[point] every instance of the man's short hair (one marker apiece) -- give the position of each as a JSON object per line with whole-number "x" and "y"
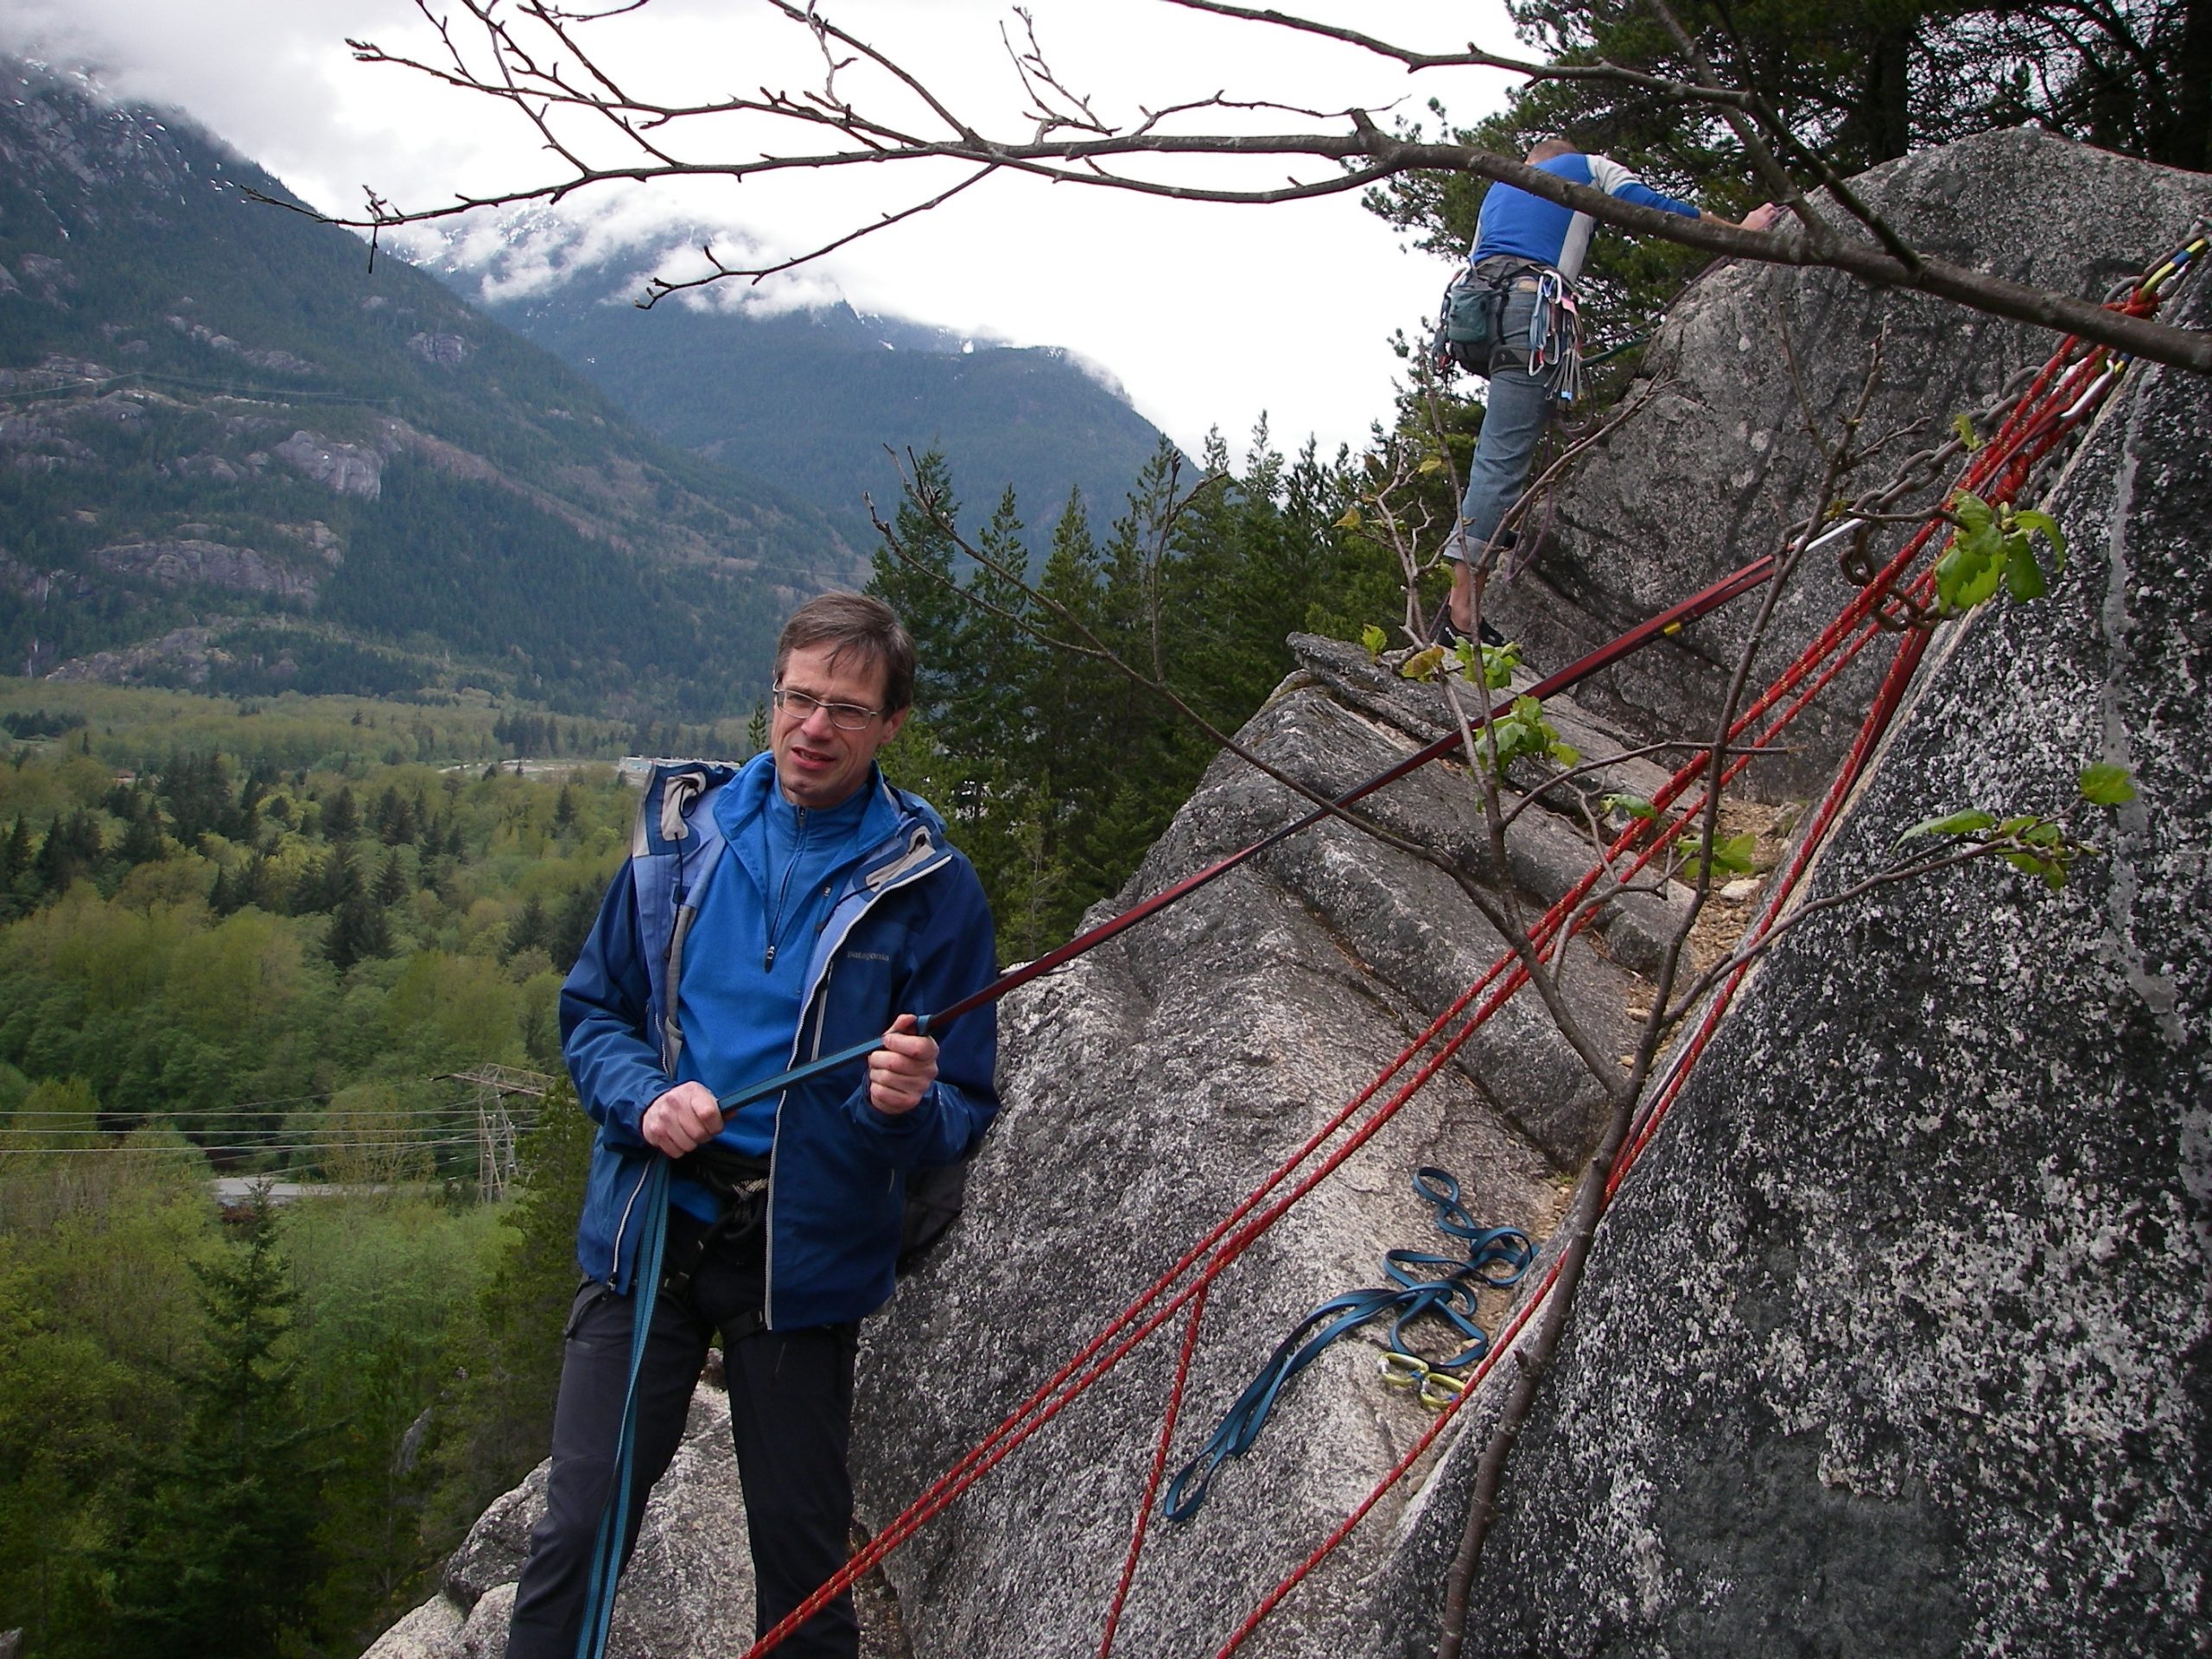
{"x": 853, "y": 624}
{"x": 1544, "y": 149}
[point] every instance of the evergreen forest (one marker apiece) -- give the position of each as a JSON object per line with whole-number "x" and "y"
{"x": 258, "y": 940}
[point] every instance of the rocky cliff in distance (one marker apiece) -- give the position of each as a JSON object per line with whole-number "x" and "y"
{"x": 821, "y": 401}
{"x": 234, "y": 454}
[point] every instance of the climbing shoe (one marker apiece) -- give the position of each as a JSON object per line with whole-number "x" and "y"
{"x": 1447, "y": 635}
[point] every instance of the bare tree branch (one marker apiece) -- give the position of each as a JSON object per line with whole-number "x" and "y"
{"x": 1071, "y": 143}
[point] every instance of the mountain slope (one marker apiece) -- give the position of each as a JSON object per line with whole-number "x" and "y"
{"x": 820, "y": 400}
{"x": 233, "y": 454}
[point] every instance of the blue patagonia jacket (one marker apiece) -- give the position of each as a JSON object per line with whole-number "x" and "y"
{"x": 909, "y": 932}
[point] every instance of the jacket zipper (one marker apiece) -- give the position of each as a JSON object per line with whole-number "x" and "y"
{"x": 614, "y": 1265}
{"x": 783, "y": 897}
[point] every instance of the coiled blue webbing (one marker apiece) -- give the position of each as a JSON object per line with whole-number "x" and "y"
{"x": 1444, "y": 1286}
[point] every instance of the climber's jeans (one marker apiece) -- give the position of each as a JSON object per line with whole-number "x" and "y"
{"x": 1514, "y": 415}
{"x": 790, "y": 1399}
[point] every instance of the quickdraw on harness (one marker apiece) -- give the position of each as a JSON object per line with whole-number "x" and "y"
{"x": 607, "y": 1553}
{"x": 1555, "y": 336}
{"x": 1423, "y": 1283}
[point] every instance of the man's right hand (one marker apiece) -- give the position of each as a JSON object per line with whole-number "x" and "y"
{"x": 688, "y": 1115}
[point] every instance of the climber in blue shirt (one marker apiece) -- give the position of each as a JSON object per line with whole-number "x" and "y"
{"x": 1534, "y": 249}
{"x": 796, "y": 907}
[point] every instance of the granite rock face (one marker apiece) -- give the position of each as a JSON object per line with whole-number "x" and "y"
{"x": 690, "y": 1586}
{"x": 1717, "y": 465}
{"x": 343, "y": 469}
{"x": 1899, "y": 1341}
{"x": 193, "y": 562}
{"x": 1149, "y": 1086}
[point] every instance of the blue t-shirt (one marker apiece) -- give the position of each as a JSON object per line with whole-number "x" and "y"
{"x": 744, "y": 977}
{"x": 1516, "y": 224}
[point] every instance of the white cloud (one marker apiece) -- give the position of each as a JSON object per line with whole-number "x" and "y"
{"x": 1208, "y": 316}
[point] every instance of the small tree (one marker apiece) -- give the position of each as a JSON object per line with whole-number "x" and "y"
{"x": 214, "y": 1557}
{"x": 494, "y": 1421}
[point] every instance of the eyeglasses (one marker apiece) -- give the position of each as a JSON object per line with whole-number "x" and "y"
{"x": 845, "y": 716}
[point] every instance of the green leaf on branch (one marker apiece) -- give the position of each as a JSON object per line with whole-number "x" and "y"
{"x": 1498, "y": 664}
{"x": 2052, "y": 870}
{"x": 1962, "y": 425}
{"x": 1374, "y": 638}
{"x": 1732, "y": 856}
{"x": 2042, "y": 523}
{"x": 1522, "y": 731}
{"x": 1970, "y": 822}
{"x": 2030, "y": 844}
{"x": 1633, "y": 806}
{"x": 1993, "y": 545}
{"x": 2023, "y": 576}
{"x": 1423, "y": 664}
{"x": 2108, "y": 784}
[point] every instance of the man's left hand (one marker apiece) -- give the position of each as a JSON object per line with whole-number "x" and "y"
{"x": 901, "y": 1072}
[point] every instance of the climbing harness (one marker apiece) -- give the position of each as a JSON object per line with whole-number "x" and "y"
{"x": 1422, "y": 1284}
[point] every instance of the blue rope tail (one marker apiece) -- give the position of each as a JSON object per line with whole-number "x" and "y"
{"x": 613, "y": 1520}
{"x": 1444, "y": 1286}
{"x": 652, "y": 1241}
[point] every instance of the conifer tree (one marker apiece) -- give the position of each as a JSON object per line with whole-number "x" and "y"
{"x": 565, "y": 934}
{"x": 987, "y": 716}
{"x": 913, "y": 574}
{"x": 392, "y": 879}
{"x": 528, "y": 927}
{"x": 1072, "y": 584}
{"x": 508, "y": 1366}
{"x": 14, "y": 857}
{"x": 359, "y": 926}
{"x": 71, "y": 847}
{"x": 214, "y": 1560}
{"x": 222, "y": 896}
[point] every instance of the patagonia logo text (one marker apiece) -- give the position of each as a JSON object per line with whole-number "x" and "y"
{"x": 867, "y": 956}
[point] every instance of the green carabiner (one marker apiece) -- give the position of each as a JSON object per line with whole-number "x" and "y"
{"x": 1439, "y": 1388}
{"x": 1402, "y": 1371}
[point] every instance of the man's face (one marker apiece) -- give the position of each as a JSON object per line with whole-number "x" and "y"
{"x": 819, "y": 763}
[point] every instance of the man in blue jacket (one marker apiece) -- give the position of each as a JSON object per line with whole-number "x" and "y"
{"x": 1533, "y": 249}
{"x": 767, "y": 915}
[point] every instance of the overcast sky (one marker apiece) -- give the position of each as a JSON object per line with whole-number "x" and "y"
{"x": 1207, "y": 315}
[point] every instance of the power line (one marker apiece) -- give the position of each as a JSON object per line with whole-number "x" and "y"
{"x": 182, "y": 1114}
{"x": 323, "y": 1150}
